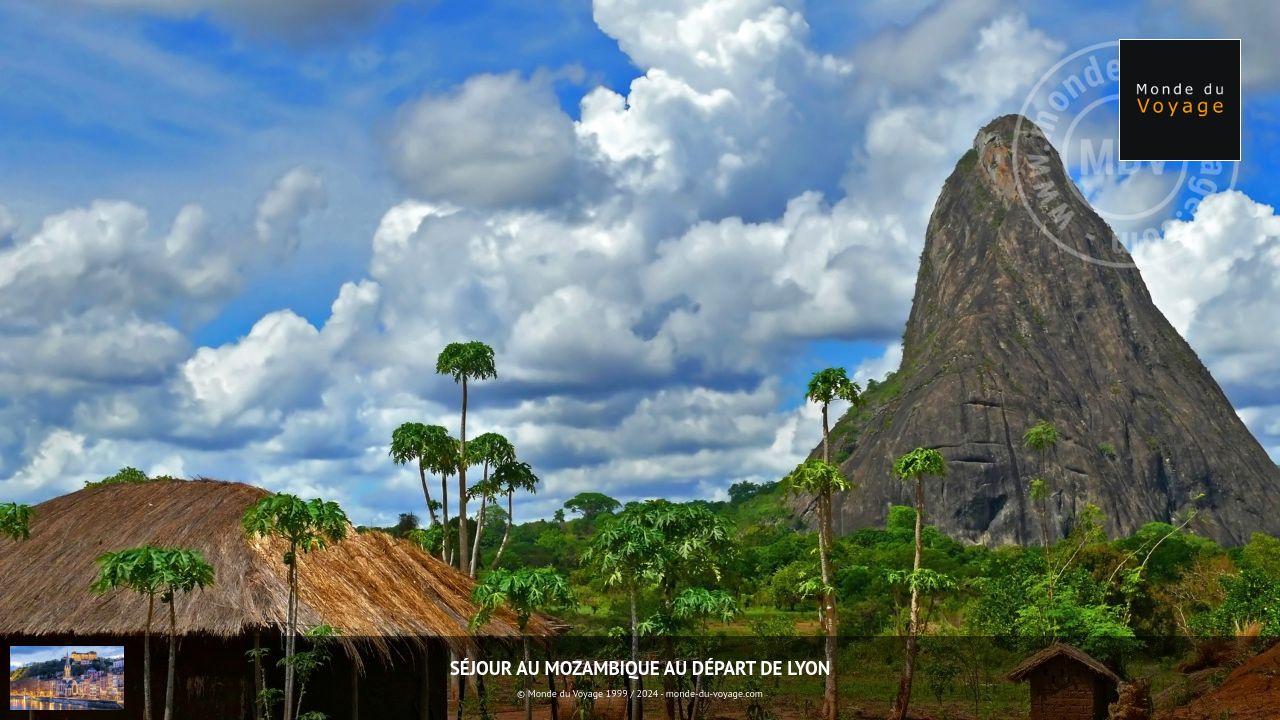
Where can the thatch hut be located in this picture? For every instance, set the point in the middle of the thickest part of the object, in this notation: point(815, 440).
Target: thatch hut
point(1067, 684)
point(399, 612)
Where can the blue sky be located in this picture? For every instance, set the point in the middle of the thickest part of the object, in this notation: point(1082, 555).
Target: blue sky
point(233, 235)
point(20, 655)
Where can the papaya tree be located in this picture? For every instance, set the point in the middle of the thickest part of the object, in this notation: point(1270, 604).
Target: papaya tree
point(914, 467)
point(820, 479)
point(489, 450)
point(154, 572)
point(305, 526)
point(525, 591)
point(510, 477)
point(465, 362)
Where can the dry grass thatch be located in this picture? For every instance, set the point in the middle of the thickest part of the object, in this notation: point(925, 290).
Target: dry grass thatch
point(1019, 673)
point(370, 586)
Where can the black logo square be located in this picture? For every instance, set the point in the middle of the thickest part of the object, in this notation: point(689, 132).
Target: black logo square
point(1180, 100)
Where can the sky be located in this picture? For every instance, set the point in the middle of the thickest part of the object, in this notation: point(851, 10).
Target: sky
point(234, 235)
point(20, 655)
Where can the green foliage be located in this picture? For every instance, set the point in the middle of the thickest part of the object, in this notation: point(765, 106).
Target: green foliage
point(1041, 437)
point(15, 521)
point(1250, 598)
point(124, 476)
point(815, 477)
point(430, 539)
point(305, 525)
point(1107, 449)
point(1038, 489)
point(525, 591)
point(832, 384)
point(1262, 553)
point(591, 505)
point(466, 361)
point(153, 571)
point(919, 463)
point(700, 605)
point(491, 448)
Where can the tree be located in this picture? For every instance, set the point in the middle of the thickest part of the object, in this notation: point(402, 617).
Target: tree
point(1041, 439)
point(510, 477)
point(416, 442)
point(489, 450)
point(123, 476)
point(182, 570)
point(15, 521)
point(152, 571)
point(465, 361)
point(305, 526)
point(825, 387)
point(525, 591)
point(621, 552)
point(591, 505)
point(821, 479)
point(914, 467)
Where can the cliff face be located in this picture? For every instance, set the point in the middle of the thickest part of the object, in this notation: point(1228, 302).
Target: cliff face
point(1008, 328)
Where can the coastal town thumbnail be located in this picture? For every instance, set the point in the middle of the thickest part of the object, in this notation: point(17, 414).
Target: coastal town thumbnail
point(66, 678)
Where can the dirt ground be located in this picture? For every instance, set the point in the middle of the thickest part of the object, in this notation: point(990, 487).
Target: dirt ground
point(1250, 692)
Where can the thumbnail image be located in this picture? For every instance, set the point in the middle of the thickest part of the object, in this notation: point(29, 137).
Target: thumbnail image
point(66, 677)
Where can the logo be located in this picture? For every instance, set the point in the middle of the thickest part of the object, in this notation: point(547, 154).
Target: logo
point(1077, 105)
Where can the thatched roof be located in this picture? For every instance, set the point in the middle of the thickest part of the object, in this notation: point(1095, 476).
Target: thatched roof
point(371, 585)
point(1024, 668)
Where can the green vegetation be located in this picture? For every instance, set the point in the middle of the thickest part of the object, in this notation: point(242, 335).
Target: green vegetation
point(153, 571)
point(305, 526)
point(15, 521)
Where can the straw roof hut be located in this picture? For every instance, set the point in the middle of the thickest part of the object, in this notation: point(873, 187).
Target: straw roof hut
point(391, 602)
point(1067, 684)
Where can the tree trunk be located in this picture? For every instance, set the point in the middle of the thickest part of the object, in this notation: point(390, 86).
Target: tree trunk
point(528, 700)
point(506, 534)
point(426, 494)
point(637, 706)
point(259, 683)
point(475, 554)
point(355, 692)
point(445, 545)
point(464, 555)
point(146, 659)
point(291, 631)
point(173, 659)
point(913, 630)
point(830, 701)
point(551, 685)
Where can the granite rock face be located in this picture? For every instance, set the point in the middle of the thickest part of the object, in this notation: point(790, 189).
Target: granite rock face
point(1007, 328)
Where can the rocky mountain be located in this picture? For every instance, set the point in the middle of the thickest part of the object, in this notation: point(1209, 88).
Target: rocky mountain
point(1008, 328)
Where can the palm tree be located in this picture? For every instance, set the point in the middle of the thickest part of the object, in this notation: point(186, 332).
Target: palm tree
point(136, 569)
point(914, 467)
point(525, 591)
point(489, 450)
point(465, 361)
point(305, 526)
point(820, 479)
point(181, 570)
point(412, 442)
point(510, 477)
point(15, 521)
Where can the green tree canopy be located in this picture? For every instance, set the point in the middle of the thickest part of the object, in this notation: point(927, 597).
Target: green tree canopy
point(15, 521)
point(591, 505)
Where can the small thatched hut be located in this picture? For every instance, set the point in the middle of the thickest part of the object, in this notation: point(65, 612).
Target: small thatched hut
point(1067, 684)
point(399, 611)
